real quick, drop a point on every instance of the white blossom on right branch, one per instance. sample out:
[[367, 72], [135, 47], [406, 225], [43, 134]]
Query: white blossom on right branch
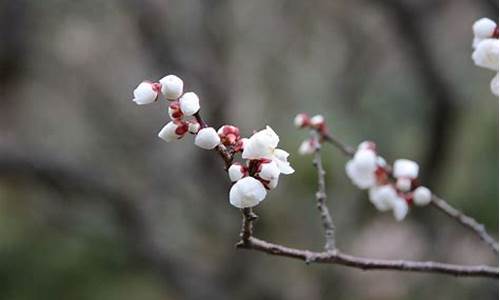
[[486, 48]]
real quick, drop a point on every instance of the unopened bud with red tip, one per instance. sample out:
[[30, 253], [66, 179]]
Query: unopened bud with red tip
[[301, 120], [237, 171], [207, 138], [484, 28], [190, 103], [173, 130], [229, 134], [146, 92], [171, 87], [174, 110], [240, 145]]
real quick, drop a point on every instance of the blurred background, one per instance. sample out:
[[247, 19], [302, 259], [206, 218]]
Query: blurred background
[[94, 206]]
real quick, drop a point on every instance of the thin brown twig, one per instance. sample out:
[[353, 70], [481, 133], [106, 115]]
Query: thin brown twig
[[466, 221], [437, 202], [321, 197]]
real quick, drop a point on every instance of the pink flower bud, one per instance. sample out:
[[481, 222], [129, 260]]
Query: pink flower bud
[[174, 111], [229, 135]]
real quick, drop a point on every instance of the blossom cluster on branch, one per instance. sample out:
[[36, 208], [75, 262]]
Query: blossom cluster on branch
[[395, 188], [486, 48], [261, 163]]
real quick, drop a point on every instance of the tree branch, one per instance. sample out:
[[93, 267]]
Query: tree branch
[[339, 258], [466, 221], [326, 218]]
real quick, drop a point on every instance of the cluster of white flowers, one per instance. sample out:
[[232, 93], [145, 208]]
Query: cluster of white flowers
[[388, 190], [263, 162], [486, 48], [316, 122], [182, 105]]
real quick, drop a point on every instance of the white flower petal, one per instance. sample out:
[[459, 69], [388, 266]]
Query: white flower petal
[[486, 54], [235, 172], [207, 138], [171, 87], [269, 171], [247, 192], [382, 197], [405, 168], [400, 209], [484, 28], [190, 103], [307, 147], [494, 85], [422, 196], [403, 184], [167, 133], [261, 144], [144, 93], [363, 180]]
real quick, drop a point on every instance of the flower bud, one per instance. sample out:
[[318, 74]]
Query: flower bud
[[190, 103], [422, 196], [317, 121], [207, 138], [146, 92], [236, 171], [382, 197], [247, 192], [367, 145], [486, 54], [308, 147], [229, 134], [400, 209], [405, 168], [171, 87], [484, 28], [403, 184], [173, 130], [301, 120], [174, 111], [193, 126]]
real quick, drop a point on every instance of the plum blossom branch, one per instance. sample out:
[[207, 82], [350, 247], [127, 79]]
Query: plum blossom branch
[[436, 201], [263, 163]]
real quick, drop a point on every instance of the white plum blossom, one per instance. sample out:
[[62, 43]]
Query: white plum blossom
[[190, 104], [483, 28], [405, 168], [361, 168], [400, 209], [145, 93], [307, 147], [207, 138], [269, 171], [262, 144], [422, 196], [403, 184], [171, 87], [172, 131], [247, 192], [486, 54], [382, 197], [236, 172]]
